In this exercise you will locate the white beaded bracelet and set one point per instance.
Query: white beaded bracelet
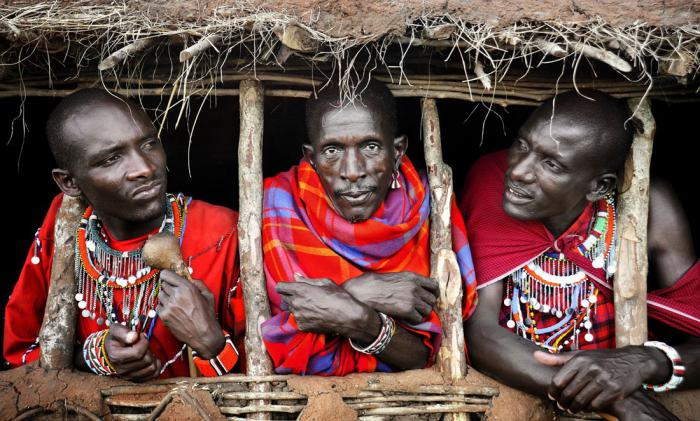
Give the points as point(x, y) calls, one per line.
point(677, 372)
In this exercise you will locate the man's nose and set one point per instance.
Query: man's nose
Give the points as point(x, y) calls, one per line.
point(352, 166)
point(523, 169)
point(140, 166)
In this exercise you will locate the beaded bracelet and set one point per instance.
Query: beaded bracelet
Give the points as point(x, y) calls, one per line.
point(385, 334)
point(678, 368)
point(95, 355)
point(219, 365)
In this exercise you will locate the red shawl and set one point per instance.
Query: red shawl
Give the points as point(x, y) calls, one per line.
point(303, 233)
point(501, 244)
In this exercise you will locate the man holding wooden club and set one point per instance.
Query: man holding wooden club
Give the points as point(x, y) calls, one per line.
point(134, 321)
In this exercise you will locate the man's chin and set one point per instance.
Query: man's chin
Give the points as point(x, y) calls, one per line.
point(515, 211)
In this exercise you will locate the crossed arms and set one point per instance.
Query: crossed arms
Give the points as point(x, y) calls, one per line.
point(350, 310)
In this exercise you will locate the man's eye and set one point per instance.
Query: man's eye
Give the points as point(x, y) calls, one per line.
point(150, 144)
point(331, 150)
point(552, 165)
point(110, 160)
point(372, 147)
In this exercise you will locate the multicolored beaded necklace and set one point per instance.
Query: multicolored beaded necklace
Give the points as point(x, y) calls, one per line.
point(552, 284)
point(100, 270)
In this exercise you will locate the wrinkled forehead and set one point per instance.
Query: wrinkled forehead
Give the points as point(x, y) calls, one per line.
point(353, 120)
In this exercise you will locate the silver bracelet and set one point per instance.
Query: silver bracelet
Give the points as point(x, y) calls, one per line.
point(385, 334)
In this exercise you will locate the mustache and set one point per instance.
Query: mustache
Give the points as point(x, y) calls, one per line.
point(354, 190)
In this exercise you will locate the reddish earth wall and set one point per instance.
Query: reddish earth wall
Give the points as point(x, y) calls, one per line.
point(361, 17)
point(376, 18)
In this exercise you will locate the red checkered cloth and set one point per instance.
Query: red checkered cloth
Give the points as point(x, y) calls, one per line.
point(303, 234)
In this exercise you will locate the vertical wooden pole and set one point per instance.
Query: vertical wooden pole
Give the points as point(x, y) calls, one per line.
point(58, 328)
point(443, 262)
point(252, 277)
point(630, 284)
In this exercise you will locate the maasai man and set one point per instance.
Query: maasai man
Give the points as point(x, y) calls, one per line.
point(541, 218)
point(133, 321)
point(345, 237)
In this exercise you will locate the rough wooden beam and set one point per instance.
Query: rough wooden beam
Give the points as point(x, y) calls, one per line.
point(121, 54)
point(199, 47)
point(443, 262)
point(252, 277)
point(630, 285)
point(58, 328)
point(608, 57)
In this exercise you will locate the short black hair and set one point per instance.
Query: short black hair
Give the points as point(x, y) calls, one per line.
point(373, 95)
point(84, 99)
point(607, 118)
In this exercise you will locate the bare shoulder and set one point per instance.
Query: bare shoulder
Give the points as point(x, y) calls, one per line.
point(670, 240)
point(667, 218)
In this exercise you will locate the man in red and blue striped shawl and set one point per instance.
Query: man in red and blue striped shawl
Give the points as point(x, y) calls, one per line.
point(345, 237)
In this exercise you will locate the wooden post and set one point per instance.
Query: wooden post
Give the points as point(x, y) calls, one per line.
point(443, 262)
point(58, 328)
point(630, 283)
point(250, 184)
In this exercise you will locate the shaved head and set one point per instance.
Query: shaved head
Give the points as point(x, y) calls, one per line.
point(375, 97)
point(601, 121)
point(83, 105)
point(566, 155)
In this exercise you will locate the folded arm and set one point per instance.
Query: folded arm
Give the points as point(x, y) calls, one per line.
point(321, 306)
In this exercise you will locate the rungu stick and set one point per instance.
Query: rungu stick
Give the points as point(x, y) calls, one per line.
point(162, 251)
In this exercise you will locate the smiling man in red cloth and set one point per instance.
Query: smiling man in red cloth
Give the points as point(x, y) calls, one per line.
point(541, 219)
point(345, 236)
point(133, 321)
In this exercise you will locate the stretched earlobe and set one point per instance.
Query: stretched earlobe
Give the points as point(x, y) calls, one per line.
point(308, 152)
point(66, 182)
point(602, 187)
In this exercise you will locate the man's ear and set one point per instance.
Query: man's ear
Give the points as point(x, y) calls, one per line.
point(400, 147)
point(66, 182)
point(308, 152)
point(601, 186)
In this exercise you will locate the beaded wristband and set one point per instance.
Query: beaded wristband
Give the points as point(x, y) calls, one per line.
point(678, 368)
point(219, 365)
point(95, 355)
point(385, 334)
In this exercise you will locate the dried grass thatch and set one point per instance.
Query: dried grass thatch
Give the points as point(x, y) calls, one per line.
point(175, 51)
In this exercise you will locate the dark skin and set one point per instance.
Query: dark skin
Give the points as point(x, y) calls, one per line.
point(552, 181)
point(118, 167)
point(354, 157)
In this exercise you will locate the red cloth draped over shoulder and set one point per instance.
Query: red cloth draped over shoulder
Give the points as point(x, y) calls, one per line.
point(303, 234)
point(210, 247)
point(501, 244)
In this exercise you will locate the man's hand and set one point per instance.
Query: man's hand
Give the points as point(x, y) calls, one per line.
point(594, 380)
point(128, 353)
point(319, 305)
point(640, 407)
point(187, 309)
point(404, 295)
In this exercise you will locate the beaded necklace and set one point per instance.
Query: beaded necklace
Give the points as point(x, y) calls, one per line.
point(100, 270)
point(553, 285)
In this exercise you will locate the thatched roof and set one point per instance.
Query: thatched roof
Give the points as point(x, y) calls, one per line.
point(488, 43)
